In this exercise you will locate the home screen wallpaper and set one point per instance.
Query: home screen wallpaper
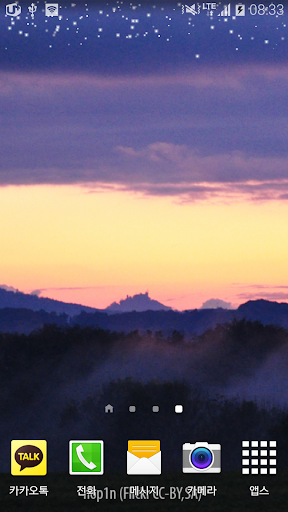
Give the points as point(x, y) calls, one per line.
point(143, 256)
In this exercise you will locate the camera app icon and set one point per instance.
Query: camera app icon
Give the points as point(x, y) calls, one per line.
point(201, 457)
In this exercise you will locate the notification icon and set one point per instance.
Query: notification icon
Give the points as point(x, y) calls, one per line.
point(51, 10)
point(239, 10)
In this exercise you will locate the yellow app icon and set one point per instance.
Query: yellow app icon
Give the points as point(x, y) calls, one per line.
point(144, 458)
point(28, 458)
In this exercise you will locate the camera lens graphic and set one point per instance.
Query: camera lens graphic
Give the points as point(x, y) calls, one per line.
point(201, 458)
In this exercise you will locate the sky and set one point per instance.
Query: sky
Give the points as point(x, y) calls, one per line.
point(153, 162)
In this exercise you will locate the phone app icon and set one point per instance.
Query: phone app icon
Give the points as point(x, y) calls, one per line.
point(29, 458)
point(86, 457)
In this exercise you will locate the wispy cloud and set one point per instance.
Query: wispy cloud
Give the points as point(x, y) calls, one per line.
point(195, 136)
point(262, 291)
point(276, 296)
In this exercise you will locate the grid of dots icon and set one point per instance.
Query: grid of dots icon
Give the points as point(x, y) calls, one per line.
point(259, 457)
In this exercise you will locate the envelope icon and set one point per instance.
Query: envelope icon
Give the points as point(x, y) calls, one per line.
point(143, 458)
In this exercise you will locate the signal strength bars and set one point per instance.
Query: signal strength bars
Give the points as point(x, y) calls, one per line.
point(226, 11)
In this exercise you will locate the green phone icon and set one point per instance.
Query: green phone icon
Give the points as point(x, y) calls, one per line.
point(86, 457)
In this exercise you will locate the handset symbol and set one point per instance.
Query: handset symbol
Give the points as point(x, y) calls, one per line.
point(89, 465)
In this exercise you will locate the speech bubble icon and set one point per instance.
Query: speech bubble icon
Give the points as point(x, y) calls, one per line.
point(28, 456)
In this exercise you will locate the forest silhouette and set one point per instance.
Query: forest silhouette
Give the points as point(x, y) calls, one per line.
point(57, 380)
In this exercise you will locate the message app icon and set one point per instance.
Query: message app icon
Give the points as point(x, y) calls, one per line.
point(144, 458)
point(86, 457)
point(28, 458)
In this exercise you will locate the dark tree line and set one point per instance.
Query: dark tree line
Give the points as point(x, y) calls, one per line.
point(59, 380)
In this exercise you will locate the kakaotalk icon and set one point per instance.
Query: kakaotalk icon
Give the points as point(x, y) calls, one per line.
point(28, 457)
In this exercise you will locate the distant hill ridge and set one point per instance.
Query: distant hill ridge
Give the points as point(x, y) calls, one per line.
point(194, 321)
point(265, 311)
point(20, 312)
point(139, 302)
point(11, 299)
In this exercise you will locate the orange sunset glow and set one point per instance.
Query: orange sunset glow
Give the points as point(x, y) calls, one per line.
point(94, 248)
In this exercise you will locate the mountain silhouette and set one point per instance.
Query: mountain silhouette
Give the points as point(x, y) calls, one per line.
point(139, 302)
point(195, 321)
point(265, 311)
point(16, 299)
point(20, 312)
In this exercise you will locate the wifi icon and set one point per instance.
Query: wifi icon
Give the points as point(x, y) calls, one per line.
point(51, 10)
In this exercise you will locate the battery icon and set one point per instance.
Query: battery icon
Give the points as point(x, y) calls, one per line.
point(239, 10)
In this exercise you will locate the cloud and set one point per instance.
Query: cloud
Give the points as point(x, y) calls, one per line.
point(262, 291)
point(264, 286)
point(193, 136)
point(9, 288)
point(216, 303)
point(36, 292)
point(192, 175)
point(235, 77)
point(273, 296)
point(39, 291)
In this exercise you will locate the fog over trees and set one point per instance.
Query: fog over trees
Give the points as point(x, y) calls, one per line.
point(231, 380)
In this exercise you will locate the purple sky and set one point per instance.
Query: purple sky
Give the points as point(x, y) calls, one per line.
point(188, 109)
point(191, 134)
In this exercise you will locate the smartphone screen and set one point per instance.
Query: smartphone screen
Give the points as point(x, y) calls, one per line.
point(143, 256)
